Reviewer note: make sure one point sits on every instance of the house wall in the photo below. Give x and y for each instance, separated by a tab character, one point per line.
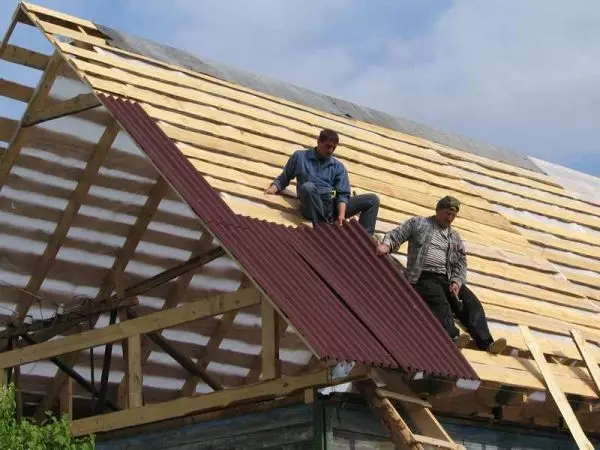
289	428
333	426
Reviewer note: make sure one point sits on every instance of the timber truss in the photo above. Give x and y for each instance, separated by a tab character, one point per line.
67	339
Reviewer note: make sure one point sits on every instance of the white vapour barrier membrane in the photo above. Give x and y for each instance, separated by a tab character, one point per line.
32	201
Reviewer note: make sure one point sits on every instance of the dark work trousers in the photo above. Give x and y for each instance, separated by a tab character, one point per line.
434	289
320	208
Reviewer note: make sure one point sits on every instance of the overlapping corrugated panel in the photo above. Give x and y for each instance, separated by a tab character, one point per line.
347	303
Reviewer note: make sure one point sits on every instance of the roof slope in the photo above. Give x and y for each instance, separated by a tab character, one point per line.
346	302
307	97
532	243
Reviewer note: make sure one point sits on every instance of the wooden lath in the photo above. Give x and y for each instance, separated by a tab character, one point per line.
557	394
257	366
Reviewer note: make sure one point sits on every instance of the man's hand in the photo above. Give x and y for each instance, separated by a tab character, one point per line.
271	190
340	221
454	288
382	249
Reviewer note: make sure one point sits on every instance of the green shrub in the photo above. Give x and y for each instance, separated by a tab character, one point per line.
53	434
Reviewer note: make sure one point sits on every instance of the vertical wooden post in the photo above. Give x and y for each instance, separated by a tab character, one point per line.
270	341
134	372
66	399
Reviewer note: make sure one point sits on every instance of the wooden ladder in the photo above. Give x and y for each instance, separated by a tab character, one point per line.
381	401
551	384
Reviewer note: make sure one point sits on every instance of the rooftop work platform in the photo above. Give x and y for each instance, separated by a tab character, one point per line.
132	193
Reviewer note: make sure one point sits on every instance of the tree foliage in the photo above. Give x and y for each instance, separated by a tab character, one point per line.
24	434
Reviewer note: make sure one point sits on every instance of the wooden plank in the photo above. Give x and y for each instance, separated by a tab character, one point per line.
260	174
66	399
193	87
401	435
64	224
543	309
493	164
11	28
437	443
271	151
385	393
212	174
300	130
530	190
336	120
15	91
152	322
557	394
53	29
10	156
134	372
212	346
8	128
196	112
75	105
565	233
588	358
271	365
561	214
58	15
560	250
25	57
189	405
512	287
174	297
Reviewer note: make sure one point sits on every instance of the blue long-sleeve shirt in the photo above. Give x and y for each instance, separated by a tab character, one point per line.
327	175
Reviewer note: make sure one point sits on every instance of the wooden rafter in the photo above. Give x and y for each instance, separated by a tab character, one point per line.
68	216
175	296
77	104
557	394
25	57
587	357
11	27
15	91
186	362
280	387
37	101
152	322
122	258
207	353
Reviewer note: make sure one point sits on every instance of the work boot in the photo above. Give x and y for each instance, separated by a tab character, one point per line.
462	340
497	347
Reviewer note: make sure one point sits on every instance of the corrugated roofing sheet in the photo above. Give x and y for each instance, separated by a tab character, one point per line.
347	303
309	98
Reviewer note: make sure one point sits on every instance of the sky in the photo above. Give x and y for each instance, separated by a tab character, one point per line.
520	74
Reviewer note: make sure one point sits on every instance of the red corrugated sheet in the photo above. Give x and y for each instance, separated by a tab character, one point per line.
347	303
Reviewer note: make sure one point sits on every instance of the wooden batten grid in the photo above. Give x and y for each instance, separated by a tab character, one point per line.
259	124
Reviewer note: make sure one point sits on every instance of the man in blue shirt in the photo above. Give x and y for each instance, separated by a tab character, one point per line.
323	186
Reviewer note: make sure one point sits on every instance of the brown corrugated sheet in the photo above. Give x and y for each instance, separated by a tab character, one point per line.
347	303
